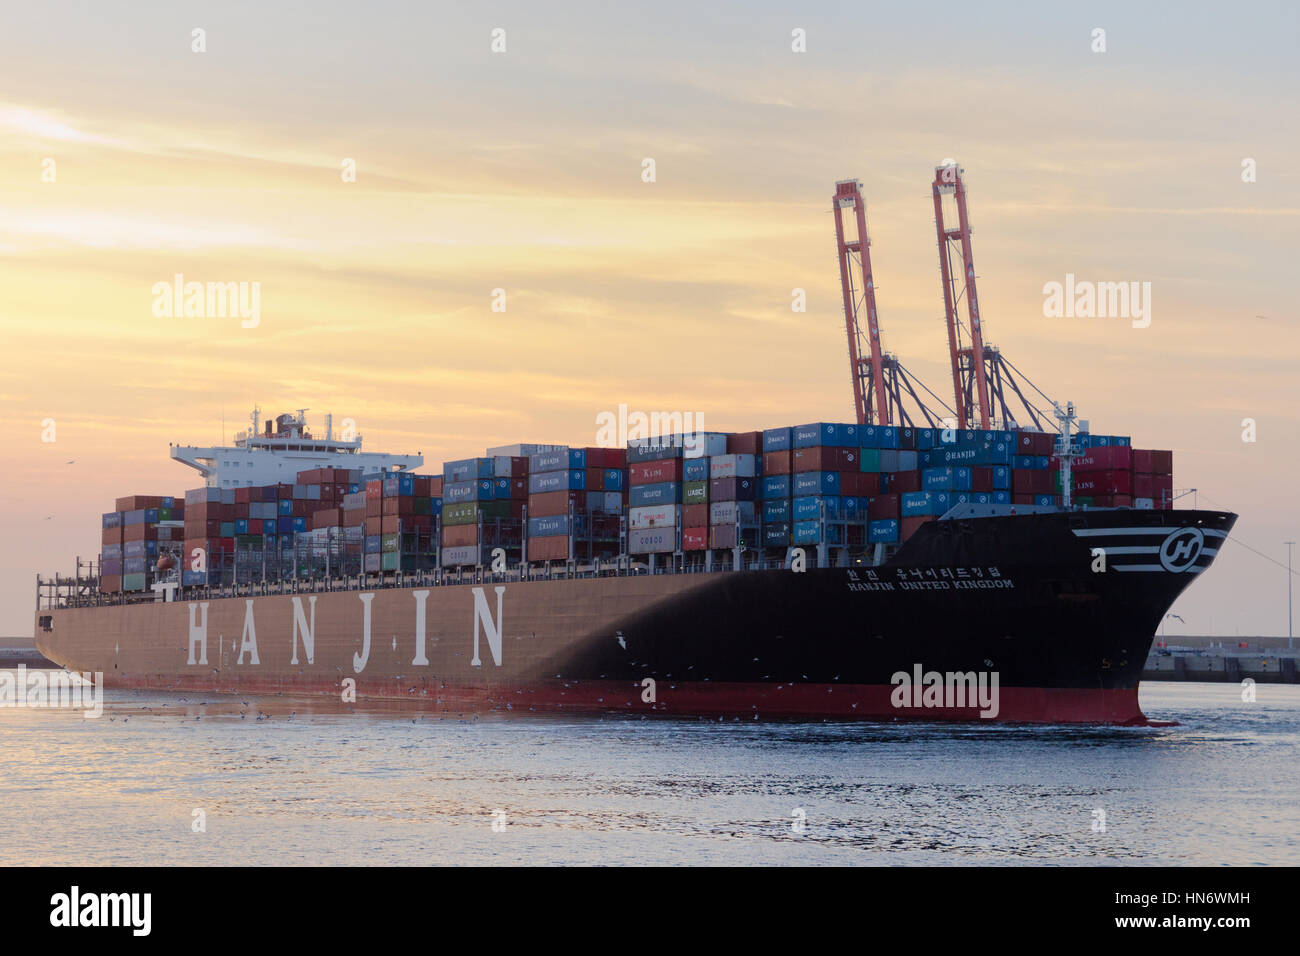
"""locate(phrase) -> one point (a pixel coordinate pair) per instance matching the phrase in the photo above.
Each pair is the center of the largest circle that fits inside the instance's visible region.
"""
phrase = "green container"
(164, 514)
(869, 460)
(467, 512)
(133, 582)
(695, 492)
(421, 506)
(389, 561)
(391, 543)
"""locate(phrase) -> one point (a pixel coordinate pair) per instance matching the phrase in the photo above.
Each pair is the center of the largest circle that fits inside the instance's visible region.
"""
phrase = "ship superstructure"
(280, 449)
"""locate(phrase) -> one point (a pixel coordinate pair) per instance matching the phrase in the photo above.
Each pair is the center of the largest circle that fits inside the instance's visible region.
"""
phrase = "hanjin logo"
(1181, 549)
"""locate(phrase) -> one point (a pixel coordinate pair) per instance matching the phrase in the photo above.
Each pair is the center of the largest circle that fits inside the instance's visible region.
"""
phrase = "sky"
(128, 157)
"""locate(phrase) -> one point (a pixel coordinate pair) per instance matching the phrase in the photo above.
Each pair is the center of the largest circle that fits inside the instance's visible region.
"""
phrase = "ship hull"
(1033, 623)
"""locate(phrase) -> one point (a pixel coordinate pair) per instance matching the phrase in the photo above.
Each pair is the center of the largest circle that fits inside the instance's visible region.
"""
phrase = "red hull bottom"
(866, 702)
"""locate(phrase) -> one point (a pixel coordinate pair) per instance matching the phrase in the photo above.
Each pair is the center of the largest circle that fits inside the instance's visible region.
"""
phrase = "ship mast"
(1066, 451)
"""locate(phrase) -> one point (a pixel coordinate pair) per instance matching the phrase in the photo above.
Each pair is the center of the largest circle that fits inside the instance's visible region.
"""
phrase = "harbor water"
(216, 780)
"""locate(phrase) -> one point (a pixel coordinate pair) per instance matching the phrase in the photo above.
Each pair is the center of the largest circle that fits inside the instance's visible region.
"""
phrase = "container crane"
(981, 376)
(879, 379)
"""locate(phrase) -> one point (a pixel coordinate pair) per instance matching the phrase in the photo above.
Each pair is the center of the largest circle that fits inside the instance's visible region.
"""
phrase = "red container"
(724, 536)
(1032, 481)
(1156, 487)
(374, 506)
(374, 489)
(1035, 443)
(141, 532)
(405, 505)
(137, 502)
(112, 535)
(695, 516)
(743, 443)
(911, 525)
(903, 481)
(868, 483)
(1148, 462)
(653, 472)
(1106, 458)
(695, 539)
(330, 518)
(816, 458)
(1093, 483)
(435, 486)
(777, 462)
(459, 535)
(354, 518)
(519, 489)
(553, 547)
(1021, 498)
(601, 458)
(595, 477)
(981, 478)
(882, 507)
(556, 503)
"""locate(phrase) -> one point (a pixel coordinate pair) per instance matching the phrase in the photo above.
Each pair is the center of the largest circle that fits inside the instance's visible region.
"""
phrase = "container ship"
(909, 564)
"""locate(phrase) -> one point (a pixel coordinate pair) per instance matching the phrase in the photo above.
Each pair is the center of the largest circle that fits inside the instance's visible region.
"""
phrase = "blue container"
(615, 479)
(660, 493)
(285, 507)
(435, 506)
(885, 530)
(133, 517)
(777, 439)
(241, 526)
(548, 525)
(284, 525)
(1045, 500)
(777, 509)
(907, 460)
(809, 507)
(112, 519)
(111, 551)
(695, 469)
(925, 438)
(815, 483)
(917, 503)
(194, 578)
(811, 436)
(574, 479)
(468, 469)
(500, 488)
(150, 515)
(374, 544)
(558, 460)
(879, 436)
(227, 529)
(299, 524)
(776, 535)
(1002, 497)
(268, 526)
(457, 491)
(776, 486)
(1001, 478)
(648, 450)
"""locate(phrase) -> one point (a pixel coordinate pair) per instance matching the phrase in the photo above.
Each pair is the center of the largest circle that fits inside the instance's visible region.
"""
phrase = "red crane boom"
(956, 263)
(868, 374)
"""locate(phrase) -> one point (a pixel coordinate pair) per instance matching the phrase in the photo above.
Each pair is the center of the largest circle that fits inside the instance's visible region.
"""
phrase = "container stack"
(734, 491)
(576, 495)
(133, 536)
(1115, 474)
(654, 476)
(481, 510)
